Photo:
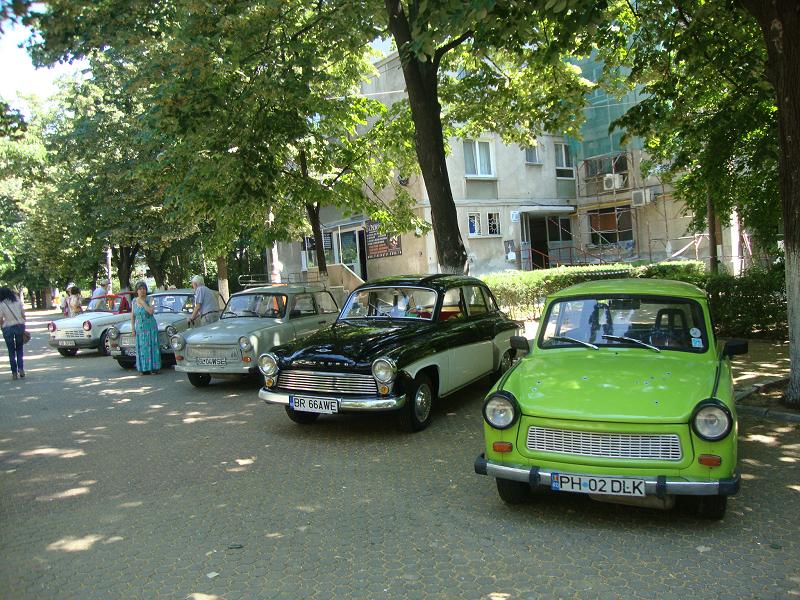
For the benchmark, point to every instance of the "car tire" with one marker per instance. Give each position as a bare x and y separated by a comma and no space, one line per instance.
103,348
710,507
505,363
199,379
513,492
67,351
420,398
300,417
126,364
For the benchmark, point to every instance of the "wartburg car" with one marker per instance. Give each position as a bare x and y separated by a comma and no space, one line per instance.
626,395
89,330
398,344
172,311
254,321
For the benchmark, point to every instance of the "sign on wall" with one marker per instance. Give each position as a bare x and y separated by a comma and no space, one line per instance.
380,245
327,242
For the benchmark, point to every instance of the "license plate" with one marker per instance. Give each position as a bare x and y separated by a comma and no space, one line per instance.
212,362
66,343
588,484
129,352
327,406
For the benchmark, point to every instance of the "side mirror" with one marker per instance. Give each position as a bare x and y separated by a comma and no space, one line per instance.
734,347
520,343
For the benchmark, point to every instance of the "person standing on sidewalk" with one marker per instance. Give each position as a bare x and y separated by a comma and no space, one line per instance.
12,323
75,302
203,301
145,331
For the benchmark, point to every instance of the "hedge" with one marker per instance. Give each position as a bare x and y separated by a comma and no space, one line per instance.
753,304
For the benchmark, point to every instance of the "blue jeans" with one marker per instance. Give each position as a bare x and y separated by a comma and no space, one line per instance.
13,337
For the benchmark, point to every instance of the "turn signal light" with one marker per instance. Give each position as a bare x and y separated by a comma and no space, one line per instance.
384,389
269,381
502,446
246,359
710,460
178,357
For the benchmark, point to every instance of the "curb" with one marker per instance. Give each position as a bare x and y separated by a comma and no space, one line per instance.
760,411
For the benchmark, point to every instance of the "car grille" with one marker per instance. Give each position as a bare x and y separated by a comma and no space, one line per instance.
320,382
605,445
126,340
208,351
163,339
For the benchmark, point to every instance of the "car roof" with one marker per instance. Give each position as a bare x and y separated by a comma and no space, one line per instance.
437,281
121,294
177,291
280,289
643,287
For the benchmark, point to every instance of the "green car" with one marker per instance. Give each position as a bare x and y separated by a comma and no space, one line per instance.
626,396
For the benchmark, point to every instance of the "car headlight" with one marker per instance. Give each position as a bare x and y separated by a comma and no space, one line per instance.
171,330
712,420
87,325
500,409
51,327
177,342
268,364
113,333
384,370
244,343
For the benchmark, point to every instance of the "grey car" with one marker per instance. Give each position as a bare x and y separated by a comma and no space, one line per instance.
253,322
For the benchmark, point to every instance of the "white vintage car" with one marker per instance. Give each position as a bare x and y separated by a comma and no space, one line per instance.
172,311
253,322
90,328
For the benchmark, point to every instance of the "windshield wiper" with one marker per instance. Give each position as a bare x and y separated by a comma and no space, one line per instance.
565,338
624,338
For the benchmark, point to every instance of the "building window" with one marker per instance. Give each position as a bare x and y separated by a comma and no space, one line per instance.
559,229
493,221
477,159
532,155
564,166
475,225
611,225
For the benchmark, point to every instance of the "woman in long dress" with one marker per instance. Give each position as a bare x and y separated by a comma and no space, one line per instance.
145,331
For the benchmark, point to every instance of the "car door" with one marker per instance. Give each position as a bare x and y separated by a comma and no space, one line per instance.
479,350
303,315
327,309
456,338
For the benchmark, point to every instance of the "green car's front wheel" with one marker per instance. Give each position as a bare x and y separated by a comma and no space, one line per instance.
710,507
513,492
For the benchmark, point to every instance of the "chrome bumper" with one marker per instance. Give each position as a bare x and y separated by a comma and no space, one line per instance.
213,371
376,403
659,486
79,343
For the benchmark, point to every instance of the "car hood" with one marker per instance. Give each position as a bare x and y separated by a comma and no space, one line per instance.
228,331
356,343
163,319
77,321
625,385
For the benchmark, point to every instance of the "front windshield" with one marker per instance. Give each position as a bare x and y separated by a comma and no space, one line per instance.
661,322
271,306
391,303
173,303
104,304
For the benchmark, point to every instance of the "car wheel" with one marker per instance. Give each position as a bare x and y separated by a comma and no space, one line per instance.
505,363
303,418
103,348
513,492
126,364
67,351
199,379
710,507
416,414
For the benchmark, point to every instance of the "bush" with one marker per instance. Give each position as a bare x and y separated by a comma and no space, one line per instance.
751,305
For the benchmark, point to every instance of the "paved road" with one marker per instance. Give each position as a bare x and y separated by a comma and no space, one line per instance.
114,485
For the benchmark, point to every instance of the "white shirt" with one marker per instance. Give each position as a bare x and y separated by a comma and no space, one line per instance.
13,313
99,291
204,298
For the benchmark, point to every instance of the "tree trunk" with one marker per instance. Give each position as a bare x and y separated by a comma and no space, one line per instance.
222,277
153,259
780,24
422,86
124,256
711,217
312,210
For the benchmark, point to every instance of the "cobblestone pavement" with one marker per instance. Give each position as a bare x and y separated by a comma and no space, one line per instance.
114,485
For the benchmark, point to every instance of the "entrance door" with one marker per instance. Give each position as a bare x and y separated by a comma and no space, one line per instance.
349,252
538,229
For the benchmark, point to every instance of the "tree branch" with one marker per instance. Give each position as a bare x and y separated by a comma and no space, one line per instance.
454,43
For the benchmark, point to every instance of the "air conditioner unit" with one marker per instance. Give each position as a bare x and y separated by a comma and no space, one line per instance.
640,198
613,181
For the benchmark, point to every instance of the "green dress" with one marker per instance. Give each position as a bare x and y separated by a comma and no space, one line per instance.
148,355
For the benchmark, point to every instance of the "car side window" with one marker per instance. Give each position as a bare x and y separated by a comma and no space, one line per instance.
491,303
302,306
188,306
473,297
452,305
325,303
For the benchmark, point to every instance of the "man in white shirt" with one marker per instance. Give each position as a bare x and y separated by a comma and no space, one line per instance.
102,288
203,301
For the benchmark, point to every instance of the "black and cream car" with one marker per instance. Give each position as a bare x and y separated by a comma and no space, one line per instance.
172,311
398,344
254,321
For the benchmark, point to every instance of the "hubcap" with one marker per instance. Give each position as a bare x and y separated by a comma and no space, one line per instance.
505,362
422,402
